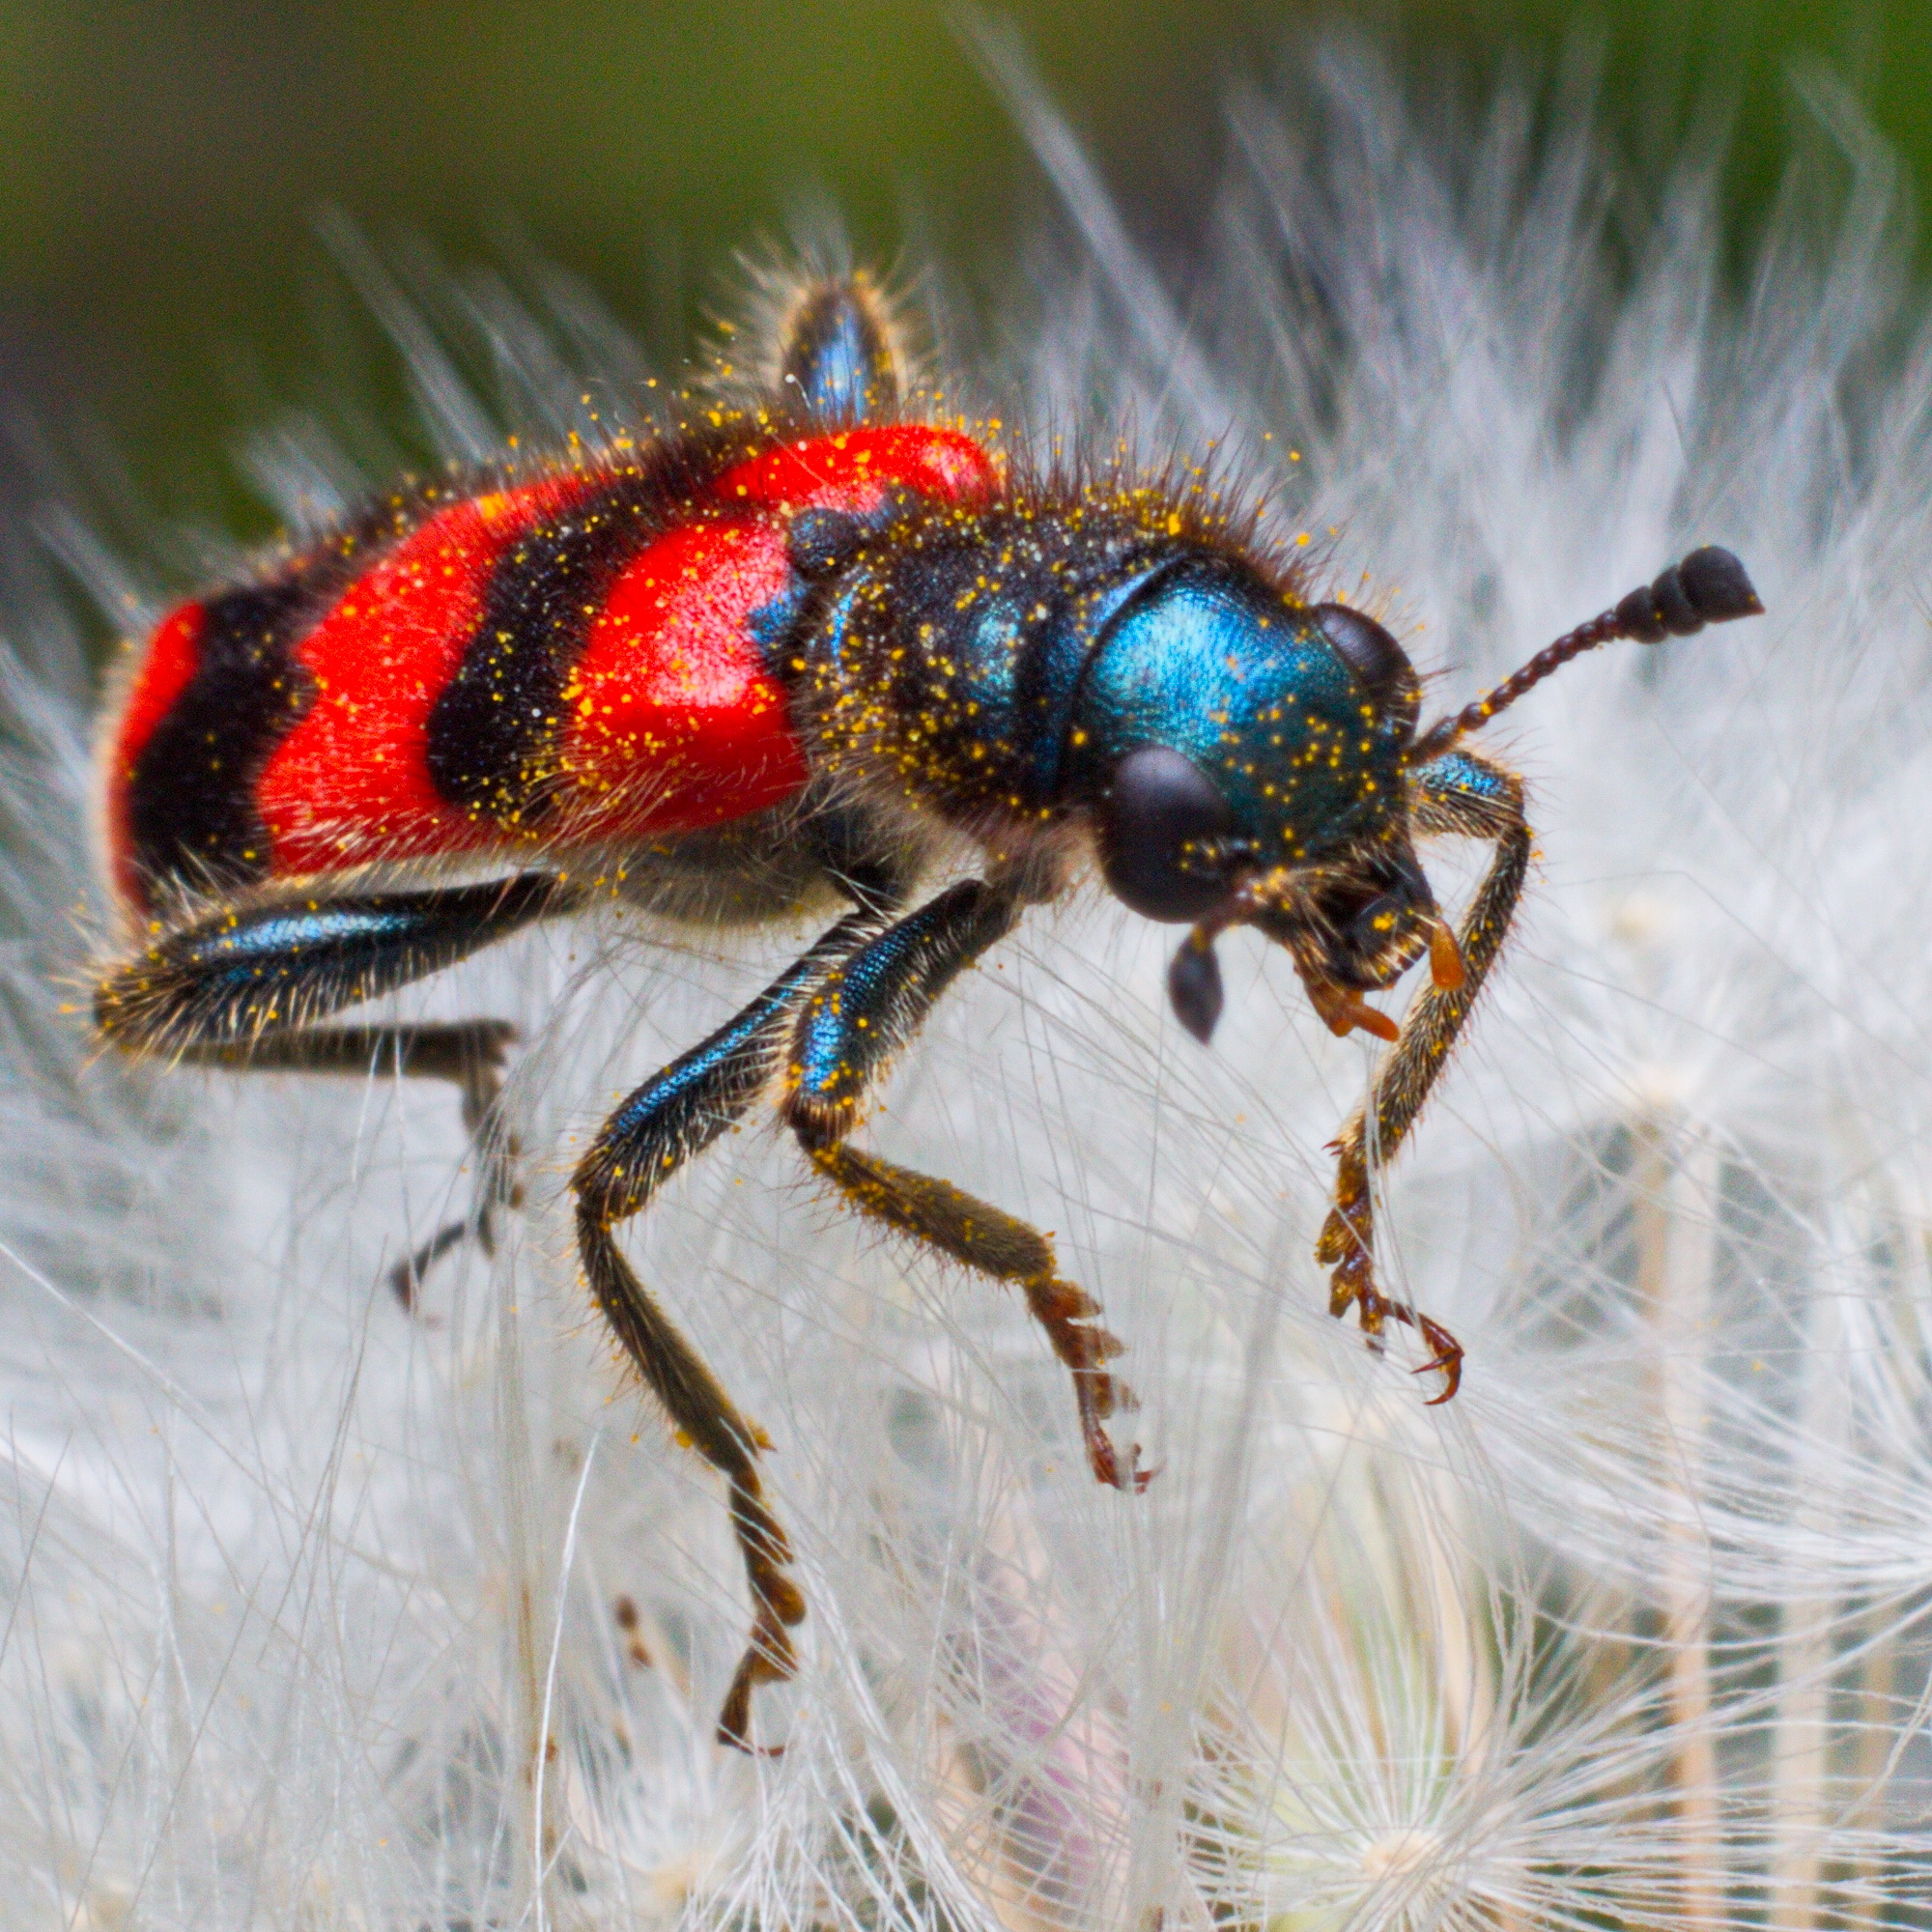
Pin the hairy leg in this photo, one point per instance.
(858, 1017)
(672, 1117)
(243, 989)
(468, 1053)
(837, 360)
(277, 965)
(1456, 793)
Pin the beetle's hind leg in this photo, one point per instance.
(840, 357)
(469, 1054)
(1456, 793)
(242, 989)
(857, 1017)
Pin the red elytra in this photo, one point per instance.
(158, 680)
(675, 718)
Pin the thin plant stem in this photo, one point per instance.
(1676, 1180)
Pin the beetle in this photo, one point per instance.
(806, 647)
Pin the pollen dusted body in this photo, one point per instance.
(802, 650)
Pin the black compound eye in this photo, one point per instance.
(1163, 828)
(1381, 665)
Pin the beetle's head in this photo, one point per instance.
(1243, 756)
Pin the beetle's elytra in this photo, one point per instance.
(785, 653)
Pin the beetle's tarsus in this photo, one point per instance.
(406, 1276)
(770, 1655)
(1354, 1285)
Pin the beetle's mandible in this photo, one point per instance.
(777, 654)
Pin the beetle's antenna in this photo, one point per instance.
(1708, 587)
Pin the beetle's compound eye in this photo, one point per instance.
(1381, 665)
(1163, 828)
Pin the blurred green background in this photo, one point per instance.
(161, 165)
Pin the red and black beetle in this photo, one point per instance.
(775, 655)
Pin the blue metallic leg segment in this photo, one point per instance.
(836, 359)
(281, 964)
(243, 989)
(1468, 795)
(862, 1013)
(672, 1117)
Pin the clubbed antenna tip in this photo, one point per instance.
(1708, 586)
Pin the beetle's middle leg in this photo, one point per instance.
(673, 1116)
(1456, 793)
(857, 1017)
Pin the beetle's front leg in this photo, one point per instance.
(1456, 793)
(859, 1015)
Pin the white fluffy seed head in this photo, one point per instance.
(320, 1616)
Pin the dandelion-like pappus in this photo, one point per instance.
(813, 647)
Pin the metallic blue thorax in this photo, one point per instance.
(1002, 661)
(1214, 664)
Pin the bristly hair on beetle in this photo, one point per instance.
(791, 652)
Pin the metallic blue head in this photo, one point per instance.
(1243, 754)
